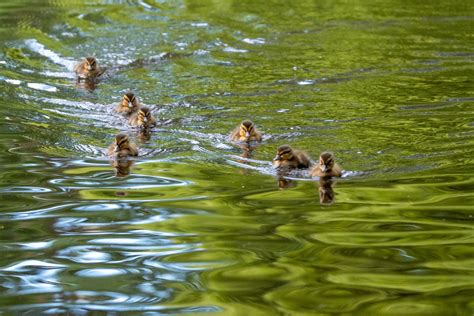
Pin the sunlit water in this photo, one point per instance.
(200, 227)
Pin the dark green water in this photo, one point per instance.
(195, 228)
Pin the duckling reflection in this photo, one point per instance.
(247, 150)
(286, 183)
(144, 135)
(288, 158)
(246, 132)
(88, 69)
(143, 118)
(122, 147)
(88, 85)
(122, 167)
(129, 105)
(326, 192)
(327, 167)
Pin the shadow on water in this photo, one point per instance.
(197, 224)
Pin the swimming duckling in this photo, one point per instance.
(88, 69)
(246, 132)
(143, 118)
(288, 158)
(122, 147)
(129, 104)
(327, 167)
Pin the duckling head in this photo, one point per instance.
(90, 64)
(247, 129)
(121, 142)
(129, 100)
(326, 161)
(144, 115)
(284, 152)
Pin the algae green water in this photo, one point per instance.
(200, 227)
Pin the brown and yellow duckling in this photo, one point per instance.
(122, 147)
(327, 167)
(289, 158)
(129, 104)
(143, 118)
(246, 132)
(88, 69)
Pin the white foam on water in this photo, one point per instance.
(200, 24)
(39, 48)
(41, 86)
(254, 41)
(13, 81)
(305, 82)
(230, 49)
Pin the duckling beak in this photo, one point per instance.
(145, 119)
(130, 104)
(324, 168)
(117, 148)
(247, 134)
(89, 68)
(277, 158)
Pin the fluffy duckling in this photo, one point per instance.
(326, 167)
(122, 147)
(246, 132)
(143, 118)
(288, 158)
(88, 69)
(129, 104)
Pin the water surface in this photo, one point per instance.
(195, 228)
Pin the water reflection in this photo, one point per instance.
(144, 135)
(284, 183)
(122, 167)
(191, 228)
(247, 150)
(86, 84)
(326, 192)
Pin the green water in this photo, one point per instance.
(197, 229)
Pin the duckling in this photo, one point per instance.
(122, 147)
(143, 118)
(246, 132)
(129, 104)
(288, 158)
(88, 69)
(327, 167)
